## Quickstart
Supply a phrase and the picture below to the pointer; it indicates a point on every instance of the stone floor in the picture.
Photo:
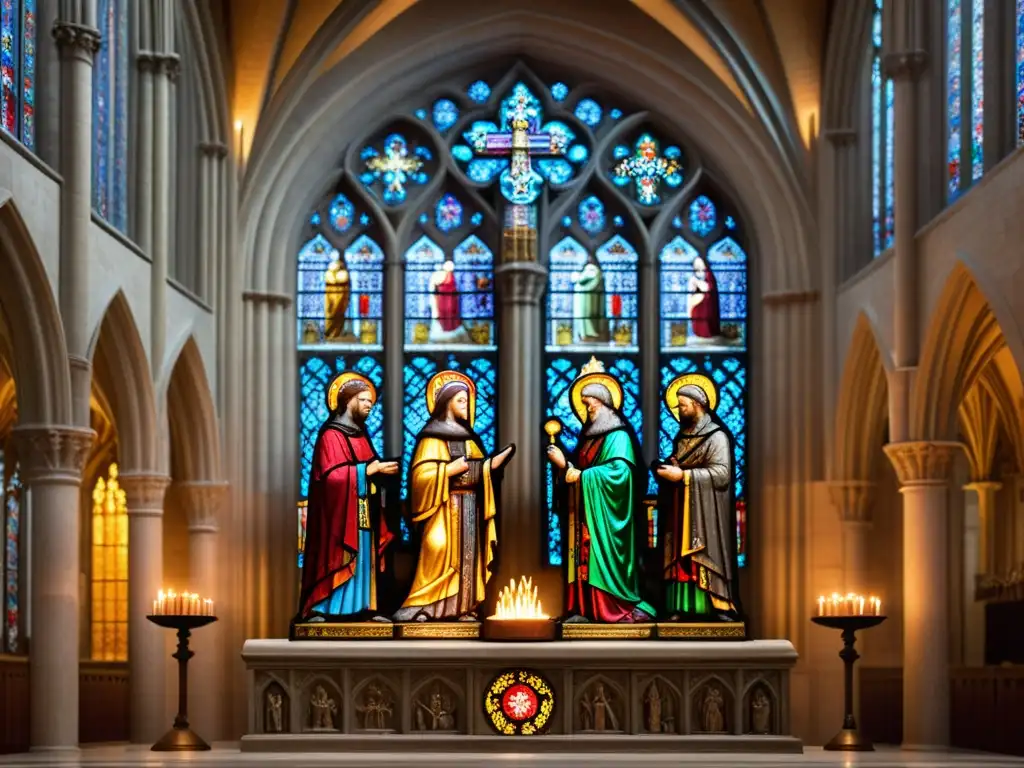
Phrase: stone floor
(228, 756)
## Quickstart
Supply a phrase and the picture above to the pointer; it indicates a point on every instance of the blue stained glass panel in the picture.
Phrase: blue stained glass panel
(18, 69)
(12, 543)
(559, 376)
(1020, 72)
(342, 214)
(977, 89)
(953, 94)
(702, 216)
(730, 376)
(392, 169)
(589, 112)
(556, 170)
(479, 92)
(418, 371)
(448, 213)
(484, 170)
(889, 222)
(559, 91)
(315, 376)
(445, 114)
(590, 215)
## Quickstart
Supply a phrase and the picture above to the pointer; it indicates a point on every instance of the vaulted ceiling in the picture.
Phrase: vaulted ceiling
(773, 47)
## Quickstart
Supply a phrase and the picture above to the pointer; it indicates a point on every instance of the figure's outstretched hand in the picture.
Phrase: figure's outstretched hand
(457, 467)
(556, 457)
(388, 467)
(501, 458)
(670, 473)
(372, 468)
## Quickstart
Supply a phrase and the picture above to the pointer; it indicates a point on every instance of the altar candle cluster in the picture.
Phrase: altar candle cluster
(170, 603)
(849, 605)
(519, 601)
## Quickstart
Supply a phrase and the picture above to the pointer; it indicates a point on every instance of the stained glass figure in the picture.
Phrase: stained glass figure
(559, 376)
(12, 498)
(342, 213)
(647, 169)
(340, 295)
(954, 88)
(449, 299)
(729, 374)
(419, 369)
(445, 114)
(703, 217)
(395, 168)
(592, 296)
(703, 295)
(18, 69)
(109, 584)
(110, 115)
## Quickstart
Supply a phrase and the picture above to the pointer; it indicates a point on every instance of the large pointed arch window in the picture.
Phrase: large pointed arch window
(965, 94)
(18, 70)
(110, 115)
(109, 586)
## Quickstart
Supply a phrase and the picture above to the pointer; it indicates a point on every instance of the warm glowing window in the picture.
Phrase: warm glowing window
(109, 569)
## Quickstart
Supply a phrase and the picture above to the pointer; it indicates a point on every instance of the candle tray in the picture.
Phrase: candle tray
(855, 622)
(519, 630)
(181, 621)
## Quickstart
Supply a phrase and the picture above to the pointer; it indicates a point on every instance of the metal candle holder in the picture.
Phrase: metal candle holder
(849, 739)
(181, 738)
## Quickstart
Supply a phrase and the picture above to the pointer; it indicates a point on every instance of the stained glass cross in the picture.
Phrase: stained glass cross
(521, 138)
(396, 167)
(647, 169)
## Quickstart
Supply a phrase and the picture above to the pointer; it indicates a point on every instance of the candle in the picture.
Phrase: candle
(850, 604)
(170, 603)
(821, 606)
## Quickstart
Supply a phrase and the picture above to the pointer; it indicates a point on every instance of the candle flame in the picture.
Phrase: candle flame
(519, 601)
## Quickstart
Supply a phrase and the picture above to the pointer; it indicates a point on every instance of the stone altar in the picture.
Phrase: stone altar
(431, 695)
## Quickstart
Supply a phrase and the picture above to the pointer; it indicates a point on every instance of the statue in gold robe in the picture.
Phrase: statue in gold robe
(453, 495)
(337, 290)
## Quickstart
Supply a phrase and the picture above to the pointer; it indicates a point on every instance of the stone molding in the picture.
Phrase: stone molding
(53, 453)
(904, 65)
(203, 499)
(852, 499)
(214, 149)
(980, 486)
(76, 40)
(145, 493)
(923, 462)
(267, 297)
(168, 64)
(522, 282)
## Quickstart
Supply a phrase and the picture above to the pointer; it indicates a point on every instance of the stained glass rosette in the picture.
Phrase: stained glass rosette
(519, 703)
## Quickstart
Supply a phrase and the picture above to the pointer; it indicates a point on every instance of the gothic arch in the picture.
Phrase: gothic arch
(208, 71)
(862, 408)
(771, 201)
(845, 53)
(962, 339)
(121, 368)
(40, 357)
(192, 417)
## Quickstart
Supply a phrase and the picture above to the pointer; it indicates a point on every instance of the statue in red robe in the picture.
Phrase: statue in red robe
(346, 535)
(705, 314)
(446, 315)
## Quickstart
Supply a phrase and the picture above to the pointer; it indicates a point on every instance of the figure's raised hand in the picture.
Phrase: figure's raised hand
(670, 473)
(501, 458)
(556, 457)
(457, 467)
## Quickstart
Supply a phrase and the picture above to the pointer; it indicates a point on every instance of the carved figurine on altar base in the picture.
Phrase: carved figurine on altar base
(453, 496)
(695, 505)
(598, 493)
(346, 534)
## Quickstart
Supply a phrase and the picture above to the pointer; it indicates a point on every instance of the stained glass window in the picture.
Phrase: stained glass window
(965, 50)
(882, 143)
(109, 603)
(395, 166)
(340, 281)
(1019, 37)
(110, 115)
(12, 506)
(647, 170)
(18, 69)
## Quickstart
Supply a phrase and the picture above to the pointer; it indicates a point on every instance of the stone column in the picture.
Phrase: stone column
(979, 560)
(143, 140)
(165, 73)
(47, 107)
(852, 500)
(211, 220)
(77, 40)
(393, 336)
(520, 417)
(924, 469)
(206, 685)
(986, 491)
(147, 657)
(51, 460)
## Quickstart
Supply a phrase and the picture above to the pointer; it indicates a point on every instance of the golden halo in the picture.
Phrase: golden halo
(697, 380)
(341, 381)
(576, 392)
(438, 380)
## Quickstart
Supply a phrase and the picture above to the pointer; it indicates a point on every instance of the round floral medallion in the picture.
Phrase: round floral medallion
(519, 702)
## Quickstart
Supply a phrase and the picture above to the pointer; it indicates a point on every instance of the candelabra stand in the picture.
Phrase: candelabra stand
(849, 739)
(181, 738)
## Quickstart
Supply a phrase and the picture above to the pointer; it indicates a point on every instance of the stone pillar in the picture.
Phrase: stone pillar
(47, 107)
(924, 469)
(979, 560)
(211, 220)
(77, 40)
(986, 491)
(165, 73)
(147, 657)
(393, 334)
(51, 460)
(143, 142)
(520, 417)
(206, 685)
(852, 500)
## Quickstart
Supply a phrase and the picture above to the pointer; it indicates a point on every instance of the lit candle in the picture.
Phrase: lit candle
(208, 607)
(860, 607)
(821, 606)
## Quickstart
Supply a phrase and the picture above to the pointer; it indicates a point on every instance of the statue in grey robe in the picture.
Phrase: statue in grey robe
(696, 512)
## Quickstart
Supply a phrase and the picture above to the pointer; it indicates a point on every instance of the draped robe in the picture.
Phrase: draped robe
(458, 533)
(345, 532)
(699, 541)
(604, 568)
(705, 309)
(337, 290)
(590, 320)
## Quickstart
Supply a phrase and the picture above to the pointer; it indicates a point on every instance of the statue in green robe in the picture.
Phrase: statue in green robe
(598, 493)
(589, 313)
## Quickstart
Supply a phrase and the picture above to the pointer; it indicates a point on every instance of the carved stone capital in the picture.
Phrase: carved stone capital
(52, 453)
(841, 137)
(522, 282)
(204, 500)
(984, 486)
(147, 61)
(214, 149)
(145, 493)
(76, 40)
(170, 65)
(904, 64)
(923, 462)
(852, 499)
